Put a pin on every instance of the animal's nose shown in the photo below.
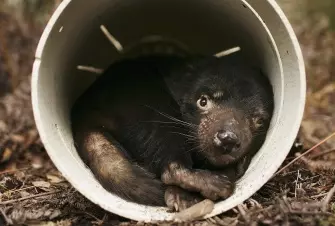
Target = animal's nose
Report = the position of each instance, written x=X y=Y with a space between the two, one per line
x=226 y=139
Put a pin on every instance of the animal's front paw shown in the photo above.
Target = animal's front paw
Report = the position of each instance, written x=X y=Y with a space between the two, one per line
x=212 y=185
x=179 y=199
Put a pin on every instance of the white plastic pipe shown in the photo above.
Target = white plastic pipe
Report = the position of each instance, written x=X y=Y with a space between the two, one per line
x=73 y=37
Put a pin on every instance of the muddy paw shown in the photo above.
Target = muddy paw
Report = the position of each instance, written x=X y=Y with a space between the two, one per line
x=214 y=186
x=178 y=199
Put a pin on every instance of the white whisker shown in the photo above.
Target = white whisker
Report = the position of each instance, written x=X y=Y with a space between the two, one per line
x=173 y=119
x=186 y=135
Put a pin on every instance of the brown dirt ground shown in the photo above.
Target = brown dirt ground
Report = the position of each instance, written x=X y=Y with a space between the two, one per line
x=33 y=192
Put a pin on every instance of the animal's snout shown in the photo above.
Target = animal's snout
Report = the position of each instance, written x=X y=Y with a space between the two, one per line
x=226 y=139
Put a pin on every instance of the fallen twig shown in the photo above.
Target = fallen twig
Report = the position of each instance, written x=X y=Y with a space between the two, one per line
x=319 y=195
x=327 y=199
x=28 y=197
x=4 y=215
x=309 y=213
x=243 y=214
x=305 y=153
x=317 y=164
x=14 y=170
x=322 y=153
x=20 y=189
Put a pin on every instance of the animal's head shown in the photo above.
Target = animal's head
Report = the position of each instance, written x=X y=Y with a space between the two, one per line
x=229 y=102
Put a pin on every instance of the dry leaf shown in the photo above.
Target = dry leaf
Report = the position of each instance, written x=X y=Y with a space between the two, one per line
x=17 y=138
x=24 y=194
x=50 y=223
x=6 y=155
x=20 y=175
x=3 y=125
x=54 y=179
x=43 y=184
x=196 y=211
x=37 y=162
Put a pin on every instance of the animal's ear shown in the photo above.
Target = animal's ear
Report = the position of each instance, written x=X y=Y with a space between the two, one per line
x=177 y=74
x=177 y=83
x=260 y=119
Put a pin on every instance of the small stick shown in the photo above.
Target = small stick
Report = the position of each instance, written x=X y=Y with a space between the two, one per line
x=324 y=91
x=196 y=211
x=317 y=164
x=222 y=223
x=90 y=69
x=305 y=153
x=327 y=199
x=94 y=217
x=319 y=195
x=296 y=184
x=227 y=52
x=176 y=206
x=9 y=221
x=243 y=213
x=111 y=38
x=211 y=220
x=20 y=189
x=28 y=197
x=322 y=153
x=14 y=170
x=310 y=213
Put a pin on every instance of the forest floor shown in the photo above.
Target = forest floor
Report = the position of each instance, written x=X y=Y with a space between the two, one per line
x=33 y=192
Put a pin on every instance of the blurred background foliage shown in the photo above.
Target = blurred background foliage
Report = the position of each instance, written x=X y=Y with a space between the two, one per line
x=21 y=24
x=297 y=9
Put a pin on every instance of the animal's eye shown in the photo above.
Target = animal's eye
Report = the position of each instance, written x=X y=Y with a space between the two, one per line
x=203 y=102
x=258 y=122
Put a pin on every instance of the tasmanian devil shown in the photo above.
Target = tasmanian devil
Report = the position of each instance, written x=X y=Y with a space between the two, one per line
x=170 y=130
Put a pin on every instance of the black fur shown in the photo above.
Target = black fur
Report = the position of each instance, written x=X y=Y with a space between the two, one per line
x=140 y=121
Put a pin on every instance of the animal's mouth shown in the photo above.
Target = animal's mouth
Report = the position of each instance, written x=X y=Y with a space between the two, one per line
x=222 y=156
x=226 y=149
x=220 y=160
